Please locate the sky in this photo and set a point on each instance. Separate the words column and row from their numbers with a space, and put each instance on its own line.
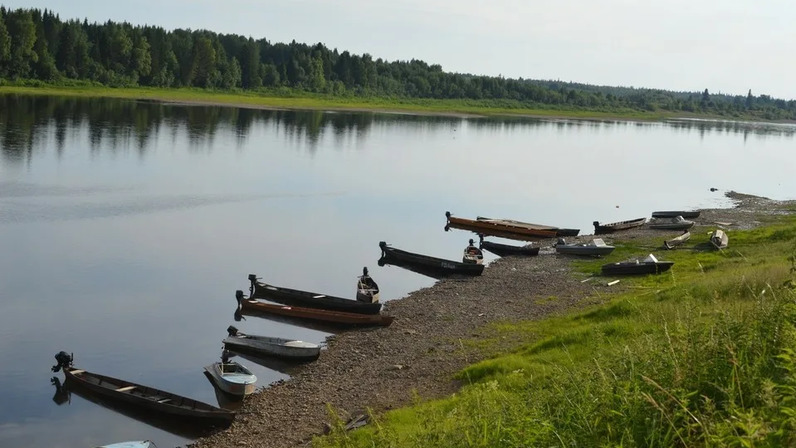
column 726, row 46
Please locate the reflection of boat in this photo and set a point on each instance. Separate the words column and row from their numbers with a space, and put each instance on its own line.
column 367, row 289
column 600, row 229
column 676, row 213
column 559, row 231
column 130, row 444
column 61, row 395
column 145, row 397
column 335, row 317
column 505, row 250
column 232, row 377
column 719, row 239
column 287, row 296
column 499, row 228
column 675, row 223
column 275, row 364
column 437, row 265
column 472, row 254
column 677, row 241
column 225, row 400
column 649, row 265
column 272, row 346
column 595, row 248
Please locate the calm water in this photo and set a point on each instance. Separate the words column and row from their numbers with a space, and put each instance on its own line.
column 126, row 227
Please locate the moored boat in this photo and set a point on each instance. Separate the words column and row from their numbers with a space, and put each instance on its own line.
column 676, row 223
column 306, row 299
column 719, row 239
column 472, row 254
column 600, row 229
column 435, row 265
column 367, row 289
column 648, row 265
column 272, row 346
column 675, row 213
column 559, row 231
column 505, row 250
column 595, row 248
column 677, row 241
column 499, row 228
column 129, row 444
column 144, row 397
column 232, row 377
column 314, row 314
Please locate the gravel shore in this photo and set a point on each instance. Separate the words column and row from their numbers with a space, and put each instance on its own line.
column 386, row 368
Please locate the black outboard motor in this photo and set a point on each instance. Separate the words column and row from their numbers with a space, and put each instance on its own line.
column 232, row 331
column 64, row 360
column 239, row 296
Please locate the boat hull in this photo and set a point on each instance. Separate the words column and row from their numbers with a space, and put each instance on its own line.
column 675, row 213
column 505, row 250
column 584, row 250
column 306, row 299
column 333, row 317
column 276, row 347
column 678, row 241
column 601, row 229
column 240, row 384
column 719, row 239
column 633, row 268
column 436, row 266
column 499, row 228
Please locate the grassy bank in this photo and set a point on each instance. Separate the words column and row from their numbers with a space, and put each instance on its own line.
column 702, row 355
column 295, row 99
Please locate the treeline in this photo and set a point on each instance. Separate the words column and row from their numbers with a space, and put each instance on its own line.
column 38, row 45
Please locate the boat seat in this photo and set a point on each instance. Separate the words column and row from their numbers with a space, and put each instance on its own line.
column 319, row 296
column 125, row 389
column 165, row 400
column 77, row 372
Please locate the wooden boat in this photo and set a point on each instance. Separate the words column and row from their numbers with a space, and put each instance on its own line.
column 272, row 346
column 505, row 250
column 472, row 254
column 437, row 265
column 600, row 229
column 676, row 223
column 649, row 265
column 315, row 314
column 129, row 444
column 594, row 248
column 719, row 239
column 367, row 289
column 144, row 397
column 232, row 377
column 305, row 299
column 503, row 229
column 676, row 213
column 559, row 231
column 677, row 241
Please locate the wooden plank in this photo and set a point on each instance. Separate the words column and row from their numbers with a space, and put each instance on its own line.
column 125, row 389
column 77, row 372
column 613, row 283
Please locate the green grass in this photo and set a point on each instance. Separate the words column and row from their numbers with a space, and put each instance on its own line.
column 699, row 356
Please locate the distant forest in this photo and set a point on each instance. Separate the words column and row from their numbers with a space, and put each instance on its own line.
column 38, row 46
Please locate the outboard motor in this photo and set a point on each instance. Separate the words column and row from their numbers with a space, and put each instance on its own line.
column 232, row 331
column 239, row 296
column 64, row 360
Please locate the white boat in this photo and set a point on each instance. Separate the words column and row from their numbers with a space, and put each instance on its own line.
column 595, row 247
column 719, row 239
column 676, row 223
column 272, row 346
column 473, row 254
column 130, row 444
column 232, row 377
column 677, row 241
column 367, row 289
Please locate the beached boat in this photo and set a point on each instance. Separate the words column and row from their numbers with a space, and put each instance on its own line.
column 271, row 346
column 144, row 397
column 676, row 223
column 499, row 228
column 505, row 250
column 306, row 299
column 676, row 213
column 559, row 231
column 232, row 377
column 129, row 444
column 314, row 314
column 677, row 241
column 600, row 229
column 367, row 289
column 472, row 254
column 437, row 265
column 595, row 248
column 648, row 265
column 719, row 239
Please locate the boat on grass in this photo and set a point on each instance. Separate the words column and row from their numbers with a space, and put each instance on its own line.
column 144, row 397
column 499, row 228
column 314, row 314
column 559, row 231
column 601, row 229
column 719, row 239
column 306, row 299
column 505, row 250
column 594, row 248
column 678, row 240
column 232, row 377
column 437, row 266
column 648, row 265
column 675, row 213
column 676, row 223
column 272, row 346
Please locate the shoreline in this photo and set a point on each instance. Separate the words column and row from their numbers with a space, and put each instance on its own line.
column 431, row 338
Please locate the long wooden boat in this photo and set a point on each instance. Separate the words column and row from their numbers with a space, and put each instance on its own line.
column 505, row 250
column 677, row 241
column 498, row 229
column 232, row 377
column 559, row 231
column 315, row 314
column 144, row 397
column 600, row 229
column 594, row 248
column 719, row 239
column 674, row 213
column 649, row 265
column 306, row 299
column 272, row 346
column 436, row 265
column 676, row 223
